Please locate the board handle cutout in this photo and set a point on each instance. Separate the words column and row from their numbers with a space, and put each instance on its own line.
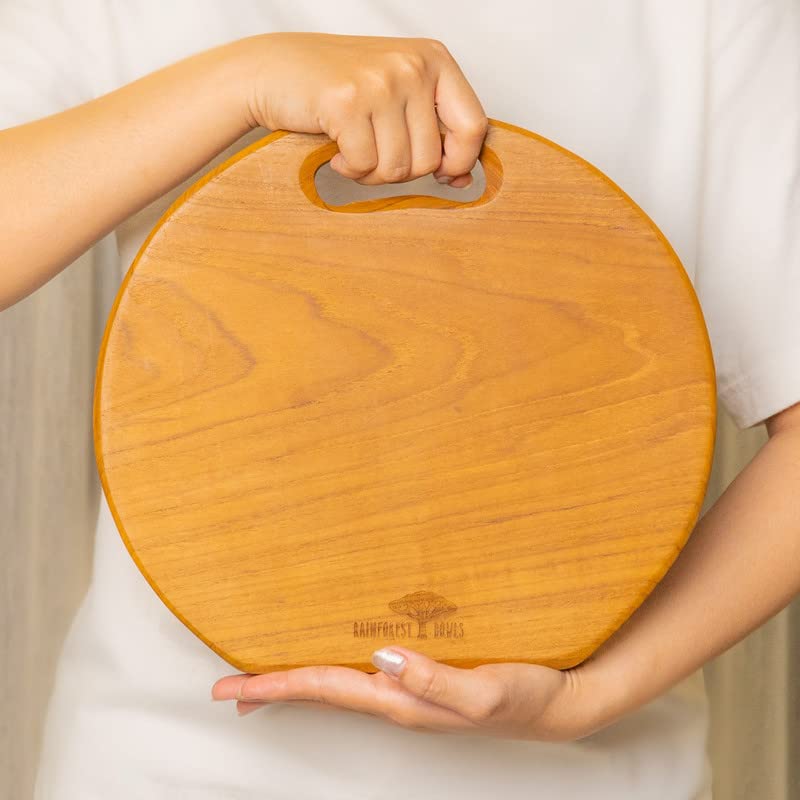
column 490, row 161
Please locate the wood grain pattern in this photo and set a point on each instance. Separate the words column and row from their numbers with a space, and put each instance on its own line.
column 482, row 431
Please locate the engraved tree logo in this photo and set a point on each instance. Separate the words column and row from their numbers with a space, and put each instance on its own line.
column 422, row 607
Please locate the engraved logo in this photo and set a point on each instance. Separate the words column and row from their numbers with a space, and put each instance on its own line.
column 422, row 608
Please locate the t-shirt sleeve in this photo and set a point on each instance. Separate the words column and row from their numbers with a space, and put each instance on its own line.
column 43, row 68
column 748, row 274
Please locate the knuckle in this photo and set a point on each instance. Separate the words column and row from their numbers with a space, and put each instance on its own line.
column 320, row 685
column 360, row 163
column 282, row 684
column 427, row 165
column 408, row 65
column 433, row 687
column 488, row 704
column 404, row 718
column 394, row 173
column 378, row 82
column 342, row 98
column 437, row 47
column 477, row 126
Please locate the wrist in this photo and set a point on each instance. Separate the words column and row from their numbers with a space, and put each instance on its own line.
column 602, row 694
column 231, row 79
column 576, row 709
column 224, row 81
column 255, row 66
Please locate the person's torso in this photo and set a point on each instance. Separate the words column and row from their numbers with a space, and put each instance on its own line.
column 621, row 85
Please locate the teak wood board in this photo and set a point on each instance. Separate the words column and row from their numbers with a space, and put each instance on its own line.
column 483, row 430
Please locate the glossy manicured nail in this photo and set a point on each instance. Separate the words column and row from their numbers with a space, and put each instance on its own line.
column 389, row 661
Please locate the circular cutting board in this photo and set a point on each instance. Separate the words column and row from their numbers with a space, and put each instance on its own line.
column 481, row 430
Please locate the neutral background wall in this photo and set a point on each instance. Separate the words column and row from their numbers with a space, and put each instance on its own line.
column 48, row 500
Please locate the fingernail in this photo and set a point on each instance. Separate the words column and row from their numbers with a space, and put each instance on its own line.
column 444, row 179
column 225, row 689
column 389, row 661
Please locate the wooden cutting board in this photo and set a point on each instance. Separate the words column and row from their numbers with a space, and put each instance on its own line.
column 483, row 431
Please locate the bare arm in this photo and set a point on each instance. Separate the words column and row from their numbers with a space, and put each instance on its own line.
column 68, row 179
column 740, row 567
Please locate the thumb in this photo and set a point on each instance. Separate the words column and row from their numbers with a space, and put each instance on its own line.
column 475, row 694
column 464, row 121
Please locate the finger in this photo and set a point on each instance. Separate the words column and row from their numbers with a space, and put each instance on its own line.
column 394, row 146
column 464, row 118
column 424, row 136
column 243, row 708
column 475, row 694
column 358, row 151
column 344, row 688
column 336, row 685
column 461, row 182
column 432, row 723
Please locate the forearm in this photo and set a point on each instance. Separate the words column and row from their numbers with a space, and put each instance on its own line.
column 68, row 179
column 740, row 567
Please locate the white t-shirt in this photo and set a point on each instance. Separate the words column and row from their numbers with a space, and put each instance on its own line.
column 692, row 107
